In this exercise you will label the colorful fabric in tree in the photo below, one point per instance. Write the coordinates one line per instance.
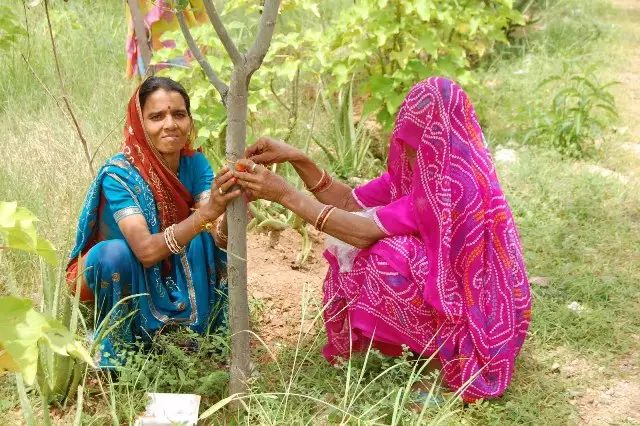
(158, 19)
(450, 277)
(188, 289)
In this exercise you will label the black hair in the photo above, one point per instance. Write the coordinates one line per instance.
(152, 84)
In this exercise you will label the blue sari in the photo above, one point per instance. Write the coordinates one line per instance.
(192, 293)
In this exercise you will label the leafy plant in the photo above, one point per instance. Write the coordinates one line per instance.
(392, 44)
(18, 231)
(41, 345)
(23, 329)
(348, 154)
(10, 28)
(580, 110)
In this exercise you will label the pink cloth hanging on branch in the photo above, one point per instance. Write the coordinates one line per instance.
(158, 19)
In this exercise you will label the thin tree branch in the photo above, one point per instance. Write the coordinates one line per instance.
(95, 151)
(256, 54)
(141, 36)
(223, 35)
(83, 140)
(278, 98)
(213, 78)
(66, 115)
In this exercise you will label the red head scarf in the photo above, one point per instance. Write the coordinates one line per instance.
(173, 200)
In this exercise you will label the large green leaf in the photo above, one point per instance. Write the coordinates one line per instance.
(22, 328)
(17, 229)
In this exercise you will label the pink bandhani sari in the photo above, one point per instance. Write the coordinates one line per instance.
(450, 277)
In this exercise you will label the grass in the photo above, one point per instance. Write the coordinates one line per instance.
(578, 228)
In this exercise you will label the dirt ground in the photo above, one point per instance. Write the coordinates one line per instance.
(280, 289)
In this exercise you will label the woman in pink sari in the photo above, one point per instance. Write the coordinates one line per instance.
(427, 255)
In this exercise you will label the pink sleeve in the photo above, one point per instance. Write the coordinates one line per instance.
(375, 193)
(397, 218)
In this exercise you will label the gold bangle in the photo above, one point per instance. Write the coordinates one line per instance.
(314, 187)
(326, 218)
(170, 240)
(320, 217)
(221, 235)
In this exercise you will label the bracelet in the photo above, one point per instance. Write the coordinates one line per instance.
(326, 218)
(221, 235)
(170, 240)
(323, 184)
(321, 217)
(208, 226)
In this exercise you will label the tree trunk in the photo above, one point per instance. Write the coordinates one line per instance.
(237, 245)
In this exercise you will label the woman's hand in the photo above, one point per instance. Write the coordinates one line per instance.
(262, 183)
(268, 150)
(220, 195)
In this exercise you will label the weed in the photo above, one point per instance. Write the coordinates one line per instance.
(580, 112)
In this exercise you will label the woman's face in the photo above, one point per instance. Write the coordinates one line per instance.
(166, 120)
(411, 155)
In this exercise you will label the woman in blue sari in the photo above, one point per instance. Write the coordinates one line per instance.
(153, 226)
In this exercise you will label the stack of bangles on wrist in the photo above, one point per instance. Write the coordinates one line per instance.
(322, 218)
(326, 180)
(170, 240)
(221, 235)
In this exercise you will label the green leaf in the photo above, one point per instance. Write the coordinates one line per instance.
(429, 42)
(18, 230)
(394, 100)
(423, 9)
(21, 330)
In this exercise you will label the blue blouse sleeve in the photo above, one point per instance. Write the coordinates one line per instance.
(202, 177)
(121, 202)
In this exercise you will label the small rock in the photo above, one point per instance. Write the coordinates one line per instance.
(574, 394)
(610, 392)
(575, 307)
(601, 370)
(604, 172)
(555, 367)
(540, 281)
(506, 155)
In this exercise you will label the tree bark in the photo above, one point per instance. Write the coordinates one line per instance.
(237, 246)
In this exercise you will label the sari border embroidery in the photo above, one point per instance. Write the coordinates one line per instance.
(203, 196)
(193, 318)
(127, 211)
(355, 197)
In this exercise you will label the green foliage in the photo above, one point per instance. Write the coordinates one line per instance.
(393, 44)
(18, 231)
(11, 28)
(347, 152)
(580, 111)
(22, 329)
(177, 362)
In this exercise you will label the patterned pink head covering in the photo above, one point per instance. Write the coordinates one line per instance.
(477, 278)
